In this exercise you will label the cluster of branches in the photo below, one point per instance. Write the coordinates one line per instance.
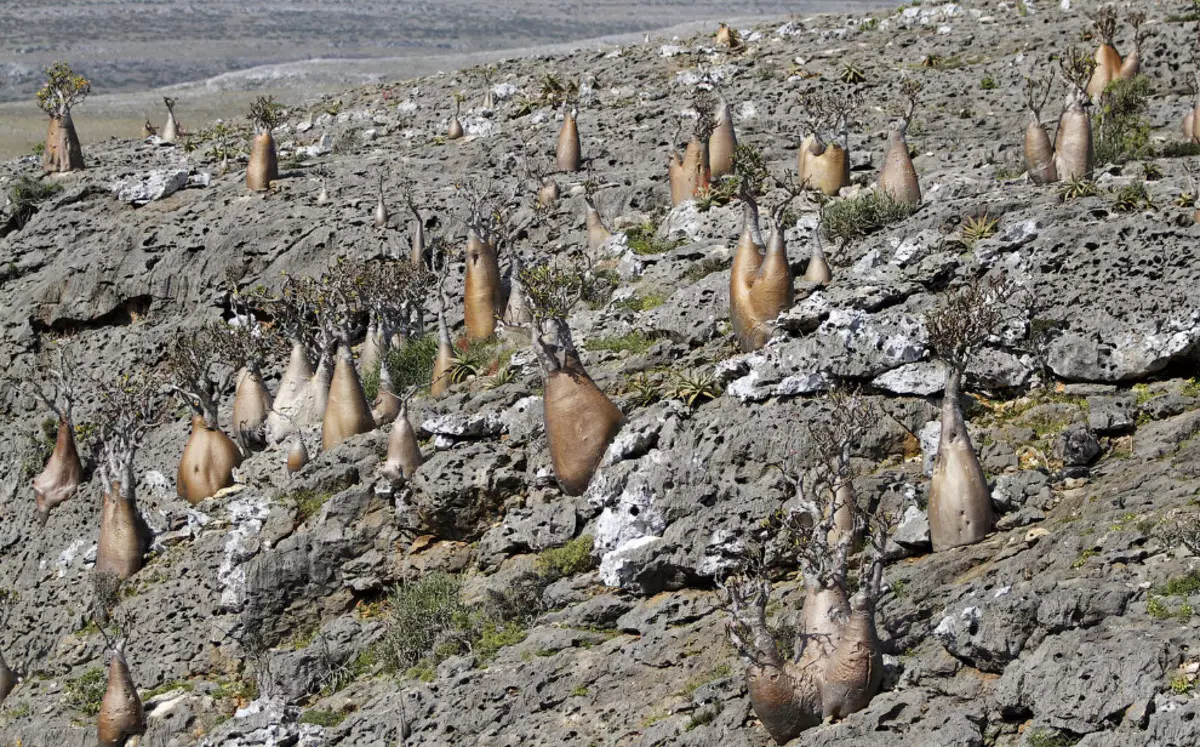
(265, 114)
(968, 316)
(63, 89)
(828, 111)
(128, 406)
(818, 528)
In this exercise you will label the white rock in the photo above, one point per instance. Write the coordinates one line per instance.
(153, 186)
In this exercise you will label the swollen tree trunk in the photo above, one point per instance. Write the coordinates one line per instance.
(516, 313)
(482, 295)
(747, 258)
(675, 179)
(417, 255)
(580, 420)
(1108, 68)
(207, 462)
(597, 233)
(1039, 153)
(62, 475)
(547, 194)
(264, 165)
(251, 406)
(403, 453)
(121, 715)
(722, 142)
(123, 534)
(289, 398)
(170, 131)
(898, 178)
(1131, 66)
(386, 406)
(63, 152)
(440, 381)
(346, 412)
(567, 152)
(772, 291)
(818, 270)
(372, 348)
(8, 679)
(695, 172)
(854, 671)
(456, 129)
(1073, 154)
(297, 455)
(823, 167)
(960, 504)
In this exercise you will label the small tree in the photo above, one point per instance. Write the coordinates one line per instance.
(64, 470)
(580, 420)
(834, 667)
(121, 713)
(960, 503)
(1039, 151)
(1073, 151)
(170, 130)
(128, 407)
(265, 114)
(62, 91)
(898, 178)
(824, 157)
(691, 175)
(210, 455)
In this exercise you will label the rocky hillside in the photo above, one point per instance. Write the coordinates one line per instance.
(478, 604)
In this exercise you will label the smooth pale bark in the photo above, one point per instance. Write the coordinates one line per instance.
(818, 270)
(264, 165)
(1131, 66)
(455, 130)
(386, 406)
(416, 256)
(289, 398)
(1108, 68)
(547, 194)
(297, 455)
(251, 406)
(62, 475)
(695, 171)
(403, 453)
(371, 351)
(597, 233)
(440, 380)
(481, 298)
(516, 312)
(898, 178)
(567, 153)
(1191, 125)
(824, 167)
(1073, 152)
(960, 504)
(207, 463)
(380, 216)
(1039, 153)
(123, 536)
(63, 152)
(675, 178)
(722, 142)
(581, 421)
(121, 714)
(747, 257)
(346, 411)
(782, 697)
(170, 131)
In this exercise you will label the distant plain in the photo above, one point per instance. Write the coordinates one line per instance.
(217, 55)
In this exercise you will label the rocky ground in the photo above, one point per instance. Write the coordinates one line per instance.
(263, 616)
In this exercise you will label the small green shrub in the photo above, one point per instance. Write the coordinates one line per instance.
(572, 558)
(988, 84)
(1157, 609)
(25, 196)
(1050, 738)
(643, 240)
(857, 217)
(425, 614)
(323, 718)
(1179, 150)
(412, 365)
(704, 716)
(635, 342)
(643, 302)
(497, 634)
(1073, 189)
(370, 384)
(85, 692)
(702, 269)
(1122, 131)
(308, 502)
(167, 687)
(1131, 198)
(1180, 586)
